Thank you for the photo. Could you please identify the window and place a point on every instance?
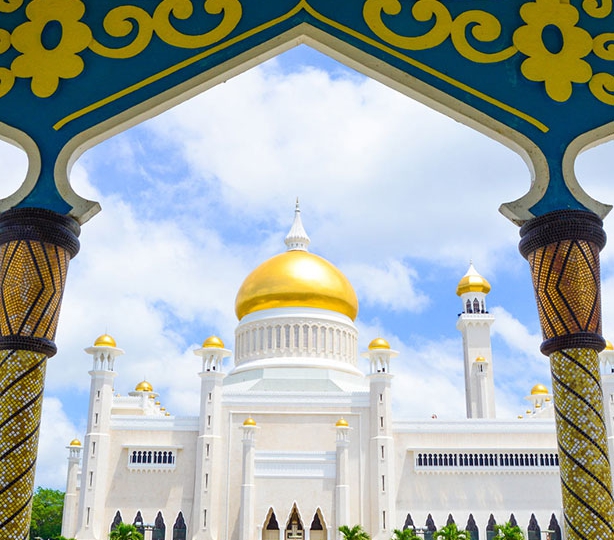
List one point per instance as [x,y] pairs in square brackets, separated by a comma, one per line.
[383,482]
[384,519]
[382,449]
[209,396]
[207,447]
[93,447]
[208,420]
[206,480]
[381,421]
[91,478]
[205,518]
[96,418]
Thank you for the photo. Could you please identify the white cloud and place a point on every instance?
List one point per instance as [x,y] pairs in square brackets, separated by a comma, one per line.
[515,334]
[390,286]
[56,432]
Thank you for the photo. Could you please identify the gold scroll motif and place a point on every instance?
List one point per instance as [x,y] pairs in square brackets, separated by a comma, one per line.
[32,278]
[556,69]
[46,66]
[583,451]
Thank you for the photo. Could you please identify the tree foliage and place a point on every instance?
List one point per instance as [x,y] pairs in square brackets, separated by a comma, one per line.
[355,533]
[405,534]
[47,507]
[125,531]
[507,531]
[451,532]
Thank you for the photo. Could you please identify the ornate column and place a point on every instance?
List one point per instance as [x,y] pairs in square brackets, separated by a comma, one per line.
[562,248]
[36,246]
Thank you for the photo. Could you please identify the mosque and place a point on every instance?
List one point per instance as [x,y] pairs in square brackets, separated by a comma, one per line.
[295,440]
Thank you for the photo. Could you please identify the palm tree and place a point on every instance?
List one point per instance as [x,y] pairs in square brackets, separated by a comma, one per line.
[405,534]
[355,533]
[507,531]
[125,531]
[451,532]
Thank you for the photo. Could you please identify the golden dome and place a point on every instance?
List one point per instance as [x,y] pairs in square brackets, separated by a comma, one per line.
[472,282]
[480,359]
[249,422]
[105,341]
[379,343]
[213,342]
[143,386]
[539,389]
[529,411]
[608,345]
[342,422]
[296,278]
[75,442]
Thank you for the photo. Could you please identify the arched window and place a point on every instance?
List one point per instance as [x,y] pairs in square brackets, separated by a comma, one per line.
[472,528]
[317,530]
[534,532]
[159,530]
[179,528]
[468,307]
[271,527]
[139,519]
[294,527]
[476,306]
[116,520]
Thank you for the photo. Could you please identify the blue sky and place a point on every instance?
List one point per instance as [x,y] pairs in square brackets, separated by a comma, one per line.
[399,197]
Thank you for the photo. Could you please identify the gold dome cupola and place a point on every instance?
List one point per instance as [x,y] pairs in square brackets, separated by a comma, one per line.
[297,279]
[473,288]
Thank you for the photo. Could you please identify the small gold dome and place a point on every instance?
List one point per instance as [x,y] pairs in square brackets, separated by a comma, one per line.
[529,411]
[379,343]
[538,406]
[296,278]
[249,422]
[520,416]
[75,442]
[157,403]
[480,359]
[608,345]
[342,422]
[143,386]
[539,389]
[167,414]
[213,342]
[472,282]
[105,341]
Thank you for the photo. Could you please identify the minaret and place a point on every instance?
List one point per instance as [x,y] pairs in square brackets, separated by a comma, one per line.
[207,512]
[71,501]
[96,448]
[474,322]
[381,464]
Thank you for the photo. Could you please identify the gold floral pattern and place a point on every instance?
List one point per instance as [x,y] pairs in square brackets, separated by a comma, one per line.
[557,69]
[47,66]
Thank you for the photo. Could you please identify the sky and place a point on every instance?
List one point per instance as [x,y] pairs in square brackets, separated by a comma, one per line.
[399,197]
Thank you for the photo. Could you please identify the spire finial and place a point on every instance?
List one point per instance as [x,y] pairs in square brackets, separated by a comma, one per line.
[297,239]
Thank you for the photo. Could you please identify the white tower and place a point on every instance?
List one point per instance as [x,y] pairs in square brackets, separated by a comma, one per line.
[96,449]
[208,479]
[381,442]
[69,513]
[474,322]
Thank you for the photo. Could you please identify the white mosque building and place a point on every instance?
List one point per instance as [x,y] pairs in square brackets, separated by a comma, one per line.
[295,440]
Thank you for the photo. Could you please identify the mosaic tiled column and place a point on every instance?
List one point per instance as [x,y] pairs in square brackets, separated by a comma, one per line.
[35,248]
[563,248]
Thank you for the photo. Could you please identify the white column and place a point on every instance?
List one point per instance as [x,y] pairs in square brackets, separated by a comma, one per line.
[342,488]
[246,514]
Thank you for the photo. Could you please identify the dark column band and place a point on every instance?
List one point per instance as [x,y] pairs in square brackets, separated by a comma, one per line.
[40,225]
[561,225]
